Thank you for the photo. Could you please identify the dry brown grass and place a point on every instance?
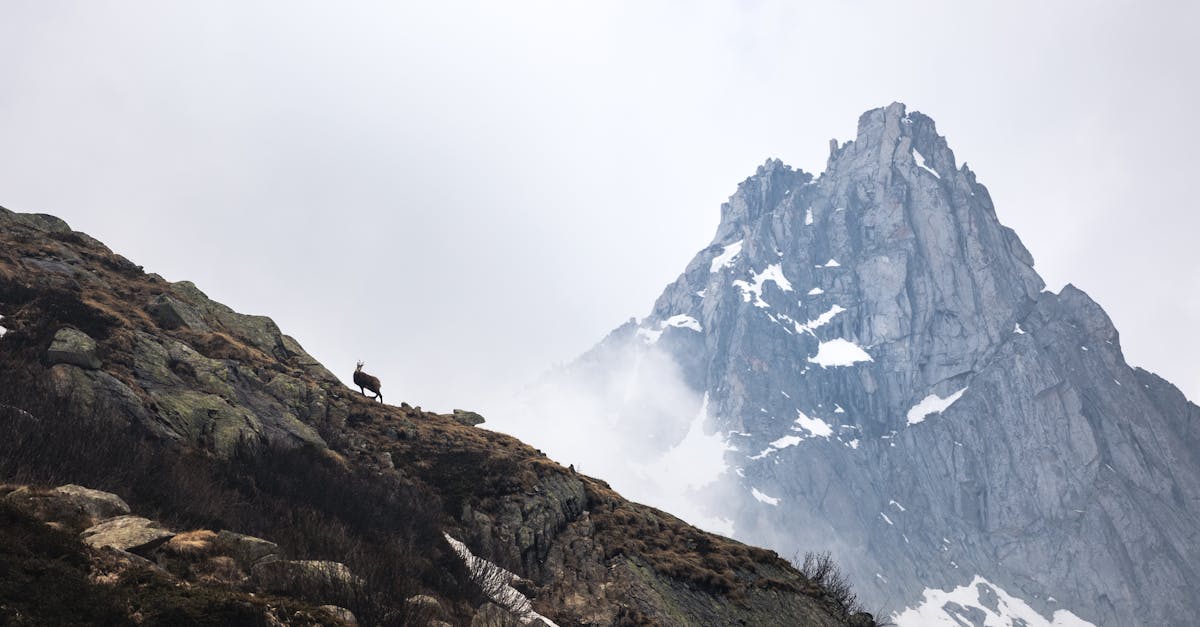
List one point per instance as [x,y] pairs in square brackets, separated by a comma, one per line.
[191,543]
[221,569]
[434,454]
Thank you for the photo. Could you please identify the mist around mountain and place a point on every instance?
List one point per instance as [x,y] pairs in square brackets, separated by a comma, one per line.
[867,361]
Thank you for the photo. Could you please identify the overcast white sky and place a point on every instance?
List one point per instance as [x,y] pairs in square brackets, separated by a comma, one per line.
[465,193]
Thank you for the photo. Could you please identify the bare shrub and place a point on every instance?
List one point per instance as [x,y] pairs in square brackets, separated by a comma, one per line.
[822,570]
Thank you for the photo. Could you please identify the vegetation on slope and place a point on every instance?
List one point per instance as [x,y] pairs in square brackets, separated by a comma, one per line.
[349,480]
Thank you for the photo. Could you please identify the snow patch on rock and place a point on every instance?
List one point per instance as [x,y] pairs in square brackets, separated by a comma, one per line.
[727,256]
[763,498]
[684,321]
[815,426]
[839,352]
[753,288]
[921,163]
[952,608]
[819,321]
[932,404]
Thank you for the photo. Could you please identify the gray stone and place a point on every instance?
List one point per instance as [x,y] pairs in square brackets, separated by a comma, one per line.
[72,346]
[310,579]
[424,605]
[173,313]
[127,533]
[492,615]
[52,265]
[95,503]
[247,551]
[468,418]
[69,504]
[345,616]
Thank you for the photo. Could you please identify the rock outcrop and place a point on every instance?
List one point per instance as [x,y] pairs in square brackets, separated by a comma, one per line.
[127,533]
[898,386]
[67,503]
[178,358]
[73,347]
[125,551]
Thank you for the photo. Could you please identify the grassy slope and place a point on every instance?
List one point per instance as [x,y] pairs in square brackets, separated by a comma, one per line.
[343,503]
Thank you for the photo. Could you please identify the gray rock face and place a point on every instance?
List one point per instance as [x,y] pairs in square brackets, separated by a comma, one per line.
[247,551]
[900,390]
[311,579]
[172,313]
[127,533]
[71,346]
[67,503]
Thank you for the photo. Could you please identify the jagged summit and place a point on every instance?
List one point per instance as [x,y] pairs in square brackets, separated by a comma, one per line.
[885,369]
[904,253]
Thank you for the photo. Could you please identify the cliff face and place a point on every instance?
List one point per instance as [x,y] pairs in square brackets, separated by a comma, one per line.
[879,352]
[206,416]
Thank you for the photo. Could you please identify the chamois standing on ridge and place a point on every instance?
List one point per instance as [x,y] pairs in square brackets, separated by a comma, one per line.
[364,380]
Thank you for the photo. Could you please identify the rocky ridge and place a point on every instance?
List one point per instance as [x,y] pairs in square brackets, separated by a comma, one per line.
[897,384]
[211,409]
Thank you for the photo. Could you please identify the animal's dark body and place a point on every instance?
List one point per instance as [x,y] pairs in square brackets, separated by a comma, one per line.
[364,380]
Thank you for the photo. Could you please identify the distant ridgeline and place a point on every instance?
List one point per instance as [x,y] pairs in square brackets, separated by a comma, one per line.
[886,376]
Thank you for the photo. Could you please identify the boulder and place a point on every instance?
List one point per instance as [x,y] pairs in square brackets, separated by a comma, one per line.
[424,602]
[98,504]
[127,533]
[109,565]
[341,614]
[69,504]
[72,346]
[172,313]
[247,551]
[309,579]
[468,418]
[492,615]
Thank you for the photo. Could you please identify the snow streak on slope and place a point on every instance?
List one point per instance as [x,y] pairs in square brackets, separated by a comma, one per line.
[726,257]
[497,584]
[921,163]
[819,321]
[980,603]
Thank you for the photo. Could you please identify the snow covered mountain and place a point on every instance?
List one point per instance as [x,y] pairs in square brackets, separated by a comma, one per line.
[867,362]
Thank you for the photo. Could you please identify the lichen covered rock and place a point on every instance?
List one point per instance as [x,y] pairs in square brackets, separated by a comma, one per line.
[72,346]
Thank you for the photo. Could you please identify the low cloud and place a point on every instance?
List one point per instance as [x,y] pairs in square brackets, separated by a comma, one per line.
[624,414]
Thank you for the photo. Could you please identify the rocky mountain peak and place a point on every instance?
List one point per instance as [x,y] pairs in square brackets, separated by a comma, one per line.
[893,253]
[770,186]
[884,369]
